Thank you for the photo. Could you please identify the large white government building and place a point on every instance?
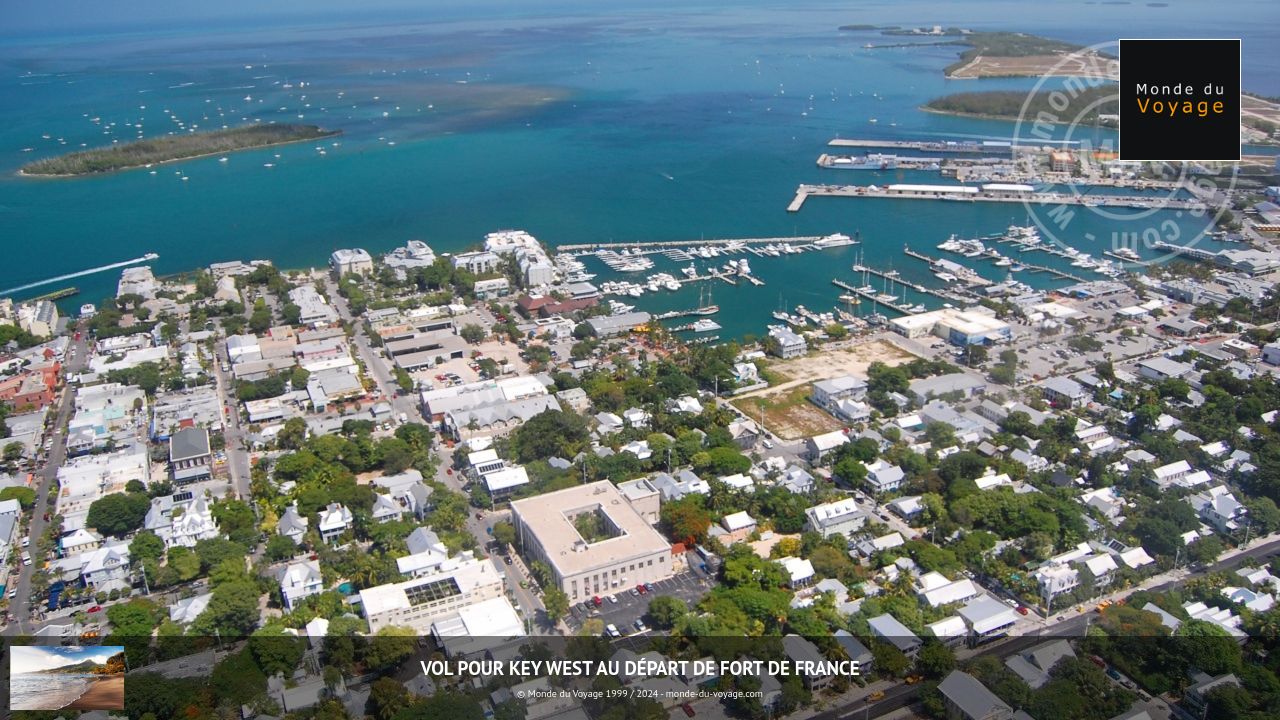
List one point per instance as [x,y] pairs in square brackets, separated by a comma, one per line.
[631,552]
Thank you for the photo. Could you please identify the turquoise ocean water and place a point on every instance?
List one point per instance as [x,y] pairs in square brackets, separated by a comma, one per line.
[580,123]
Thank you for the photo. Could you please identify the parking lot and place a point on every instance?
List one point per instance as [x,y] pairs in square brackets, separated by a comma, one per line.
[631,605]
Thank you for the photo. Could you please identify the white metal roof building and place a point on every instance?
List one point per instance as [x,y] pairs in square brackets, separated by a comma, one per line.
[419,602]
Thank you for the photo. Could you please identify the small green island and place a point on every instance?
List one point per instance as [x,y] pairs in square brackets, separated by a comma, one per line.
[170,148]
[1008,104]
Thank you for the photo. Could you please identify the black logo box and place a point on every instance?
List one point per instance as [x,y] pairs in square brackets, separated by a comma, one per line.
[1180,63]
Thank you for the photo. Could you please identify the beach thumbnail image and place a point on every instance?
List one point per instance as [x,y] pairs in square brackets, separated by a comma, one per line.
[70,678]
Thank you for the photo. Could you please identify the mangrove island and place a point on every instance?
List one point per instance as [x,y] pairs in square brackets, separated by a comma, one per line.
[169,148]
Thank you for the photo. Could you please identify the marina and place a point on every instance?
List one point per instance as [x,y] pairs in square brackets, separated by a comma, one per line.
[949,146]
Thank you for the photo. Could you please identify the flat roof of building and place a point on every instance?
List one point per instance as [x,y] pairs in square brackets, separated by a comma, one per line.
[548,517]
[957,189]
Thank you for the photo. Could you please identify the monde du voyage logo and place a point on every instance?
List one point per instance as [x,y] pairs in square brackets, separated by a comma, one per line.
[1180,100]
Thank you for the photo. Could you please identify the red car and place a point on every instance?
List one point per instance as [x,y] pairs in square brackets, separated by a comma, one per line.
[641,589]
[1022,609]
[688,710]
[95,608]
[597,601]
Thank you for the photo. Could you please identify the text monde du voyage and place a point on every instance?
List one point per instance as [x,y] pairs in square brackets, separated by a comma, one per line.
[637,668]
[1180,99]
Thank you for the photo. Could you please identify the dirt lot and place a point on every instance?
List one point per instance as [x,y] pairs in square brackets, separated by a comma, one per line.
[787,410]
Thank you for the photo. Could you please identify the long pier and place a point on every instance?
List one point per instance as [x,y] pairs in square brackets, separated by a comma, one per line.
[898,307]
[983,281]
[891,162]
[653,246]
[804,192]
[948,295]
[951,147]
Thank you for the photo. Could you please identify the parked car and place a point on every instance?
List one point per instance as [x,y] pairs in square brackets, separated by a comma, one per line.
[598,602]
[688,710]
[613,599]
[612,630]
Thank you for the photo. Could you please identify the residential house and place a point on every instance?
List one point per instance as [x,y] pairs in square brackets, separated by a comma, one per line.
[855,650]
[298,581]
[788,344]
[386,509]
[1219,508]
[1035,664]
[887,628]
[965,698]
[1063,392]
[335,519]
[828,393]
[883,477]
[190,459]
[842,517]
[819,447]
[987,618]
[797,649]
[292,524]
[181,519]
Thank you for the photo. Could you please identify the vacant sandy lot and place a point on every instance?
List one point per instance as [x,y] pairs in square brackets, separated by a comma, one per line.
[787,410]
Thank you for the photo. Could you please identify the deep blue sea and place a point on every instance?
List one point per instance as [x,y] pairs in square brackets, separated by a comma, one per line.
[580,122]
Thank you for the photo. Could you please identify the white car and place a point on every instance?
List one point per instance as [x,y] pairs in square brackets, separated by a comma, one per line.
[613,630]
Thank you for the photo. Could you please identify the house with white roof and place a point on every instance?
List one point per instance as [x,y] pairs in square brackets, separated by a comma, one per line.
[335,519]
[950,631]
[685,404]
[988,618]
[796,480]
[739,525]
[105,567]
[298,581]
[185,611]
[883,477]
[1034,665]
[292,525]
[937,590]
[867,548]
[1219,508]
[799,572]
[842,517]
[385,509]
[819,447]
[181,519]
[888,628]
[685,482]
[828,393]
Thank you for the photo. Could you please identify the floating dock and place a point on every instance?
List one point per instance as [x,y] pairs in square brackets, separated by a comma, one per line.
[873,297]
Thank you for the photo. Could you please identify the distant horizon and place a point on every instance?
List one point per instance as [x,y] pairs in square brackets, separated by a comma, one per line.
[35,659]
[64,17]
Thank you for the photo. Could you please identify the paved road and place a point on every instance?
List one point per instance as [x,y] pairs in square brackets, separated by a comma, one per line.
[233,433]
[530,605]
[377,367]
[20,605]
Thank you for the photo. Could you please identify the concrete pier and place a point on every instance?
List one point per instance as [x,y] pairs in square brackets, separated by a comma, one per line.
[1039,198]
